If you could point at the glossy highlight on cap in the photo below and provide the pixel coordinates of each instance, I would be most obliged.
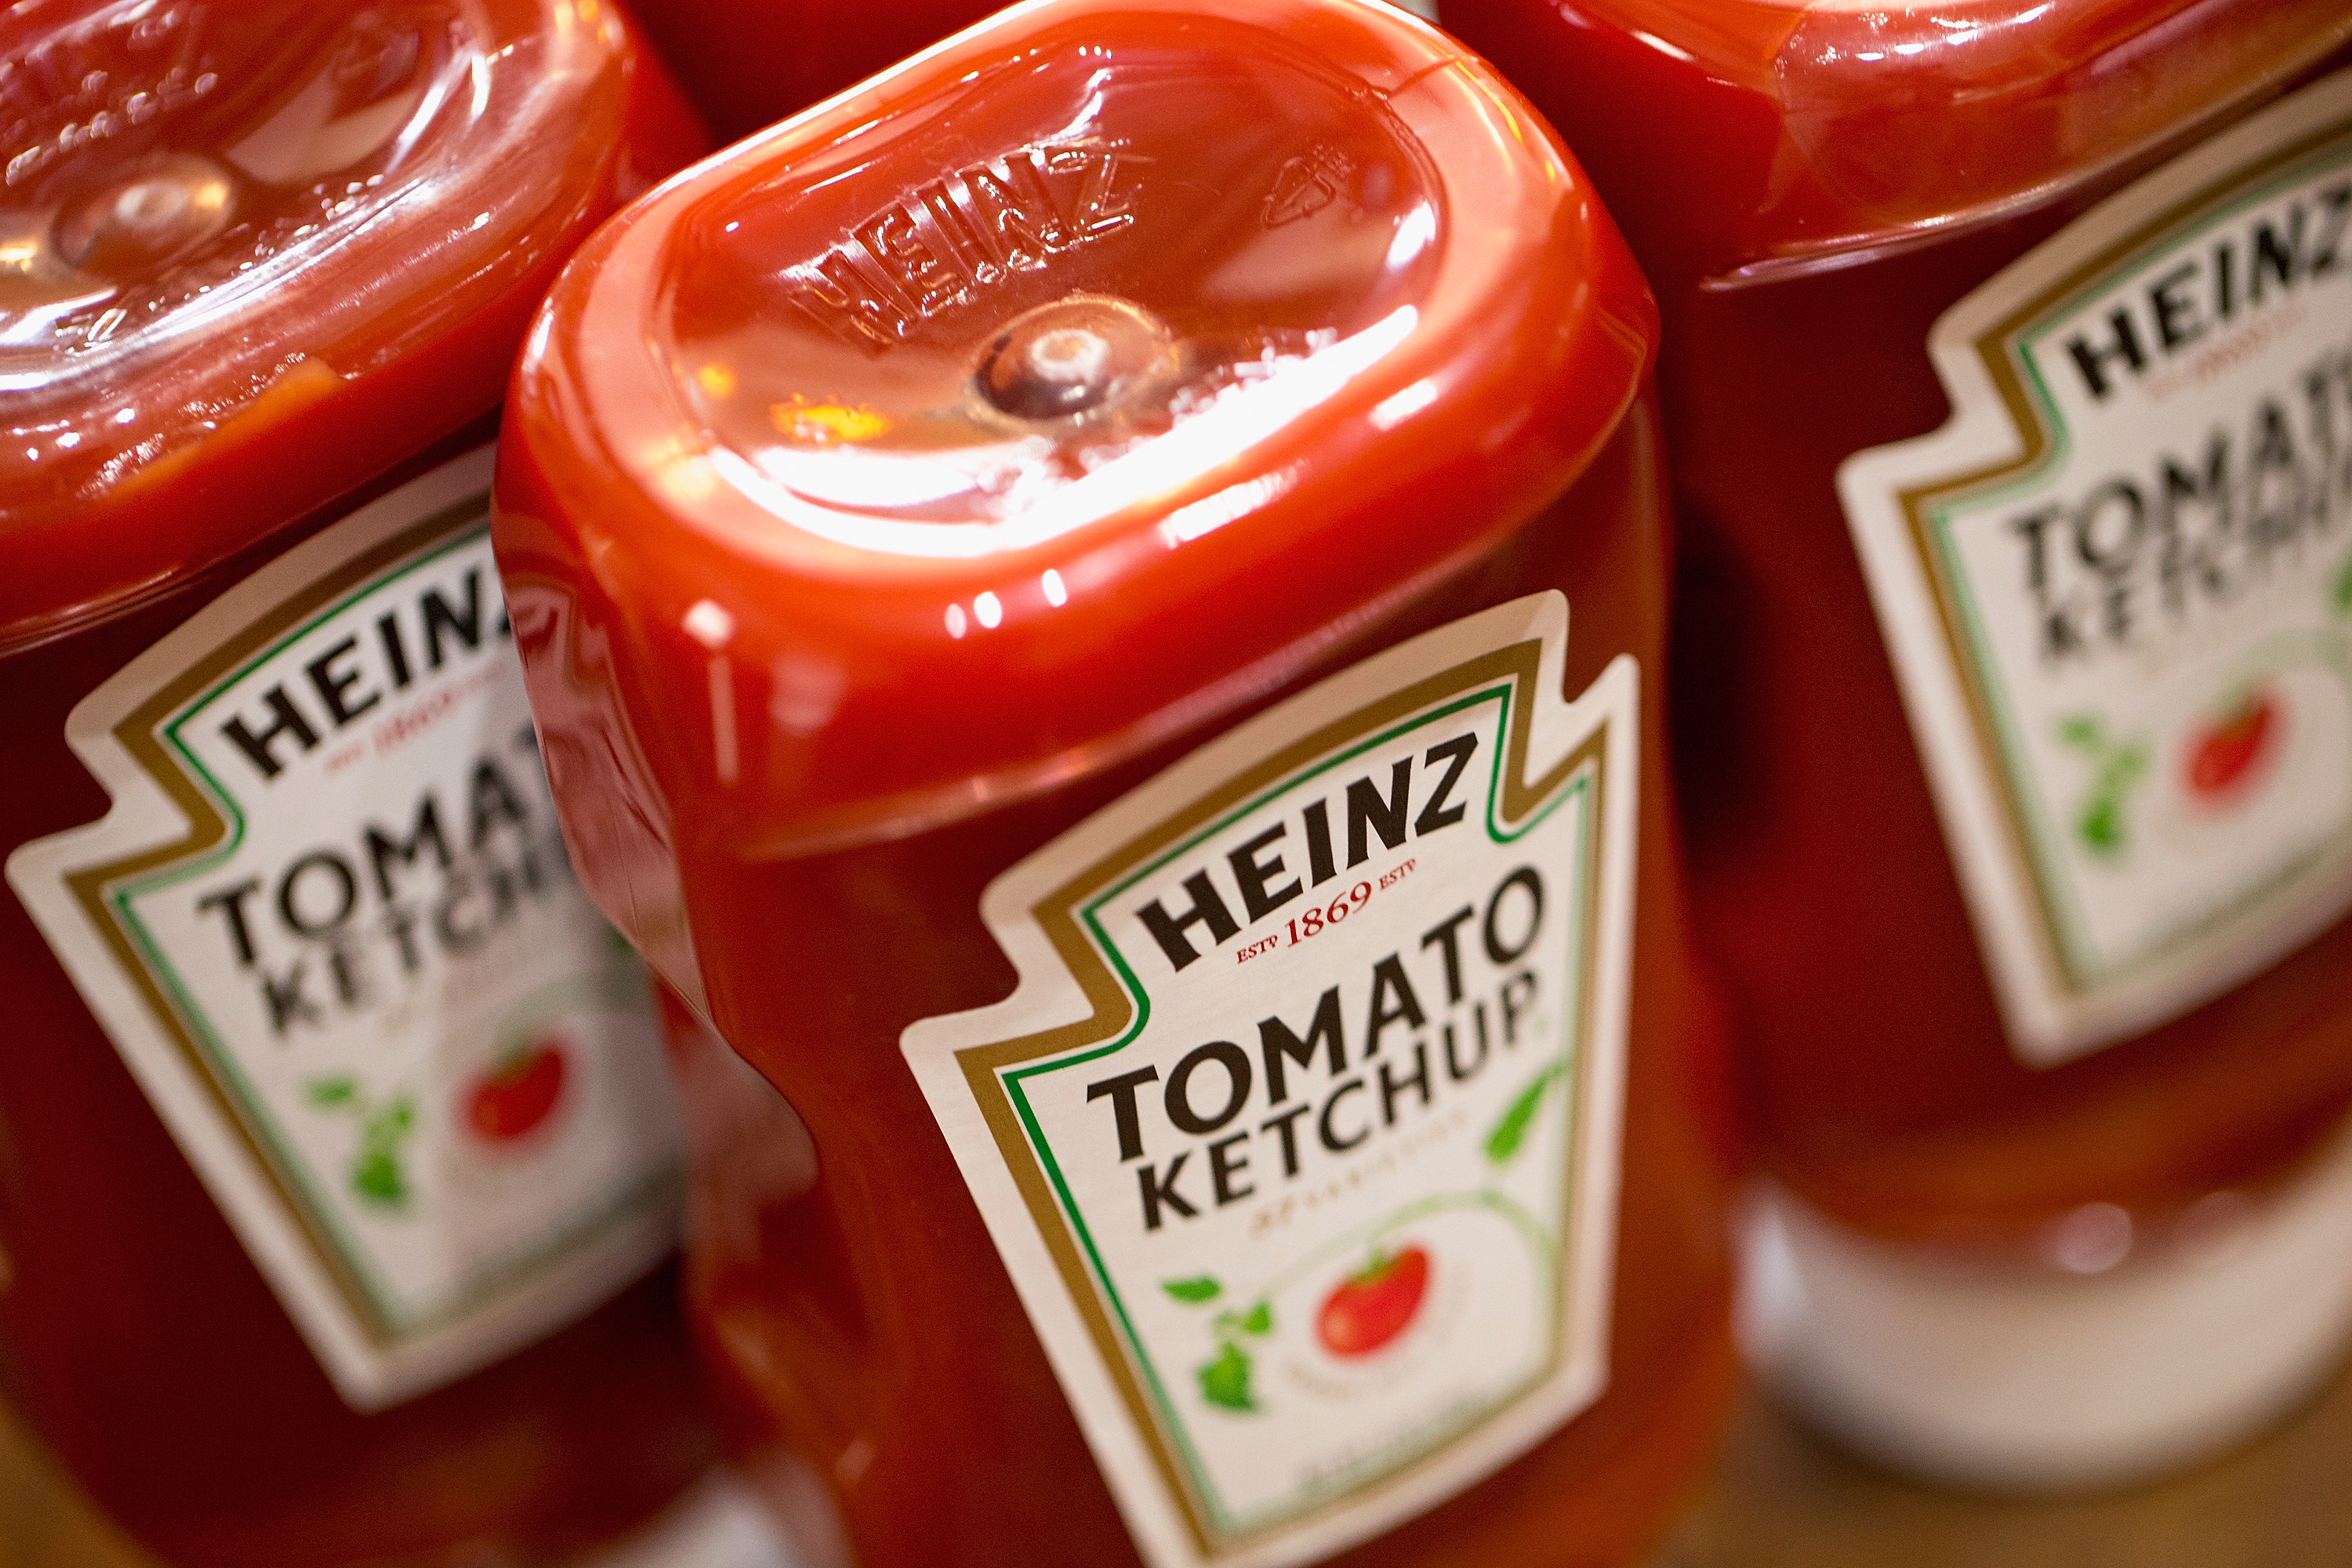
(1094, 296)
(1803, 131)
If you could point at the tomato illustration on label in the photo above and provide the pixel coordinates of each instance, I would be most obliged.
(1371, 1308)
(517, 1096)
(2227, 754)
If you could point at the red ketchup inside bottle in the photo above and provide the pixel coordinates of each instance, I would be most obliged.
(2006, 392)
(1095, 608)
(750, 63)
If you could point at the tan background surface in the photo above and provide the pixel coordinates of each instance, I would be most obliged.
(1776, 1498)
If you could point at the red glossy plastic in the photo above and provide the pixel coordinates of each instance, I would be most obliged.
(820, 644)
(1811, 188)
(369, 205)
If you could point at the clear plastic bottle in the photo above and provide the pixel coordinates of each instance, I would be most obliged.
(337, 1168)
(1138, 430)
(2006, 394)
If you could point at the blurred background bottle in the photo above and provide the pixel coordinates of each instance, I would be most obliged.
(749, 63)
(337, 1165)
(2007, 391)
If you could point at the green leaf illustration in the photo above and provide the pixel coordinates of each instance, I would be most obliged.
(2343, 593)
(2101, 827)
(378, 1176)
(332, 1091)
(1511, 1131)
(1226, 1380)
(2101, 822)
(1258, 1320)
(391, 1122)
(2083, 733)
(378, 1179)
(1203, 1287)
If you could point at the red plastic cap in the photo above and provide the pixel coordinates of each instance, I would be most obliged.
(1106, 326)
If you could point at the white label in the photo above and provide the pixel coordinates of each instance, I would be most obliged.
(1299, 1136)
(2118, 585)
(329, 924)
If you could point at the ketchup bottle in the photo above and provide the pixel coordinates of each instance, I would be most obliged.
(750, 63)
(2007, 384)
(336, 1160)
(1095, 604)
